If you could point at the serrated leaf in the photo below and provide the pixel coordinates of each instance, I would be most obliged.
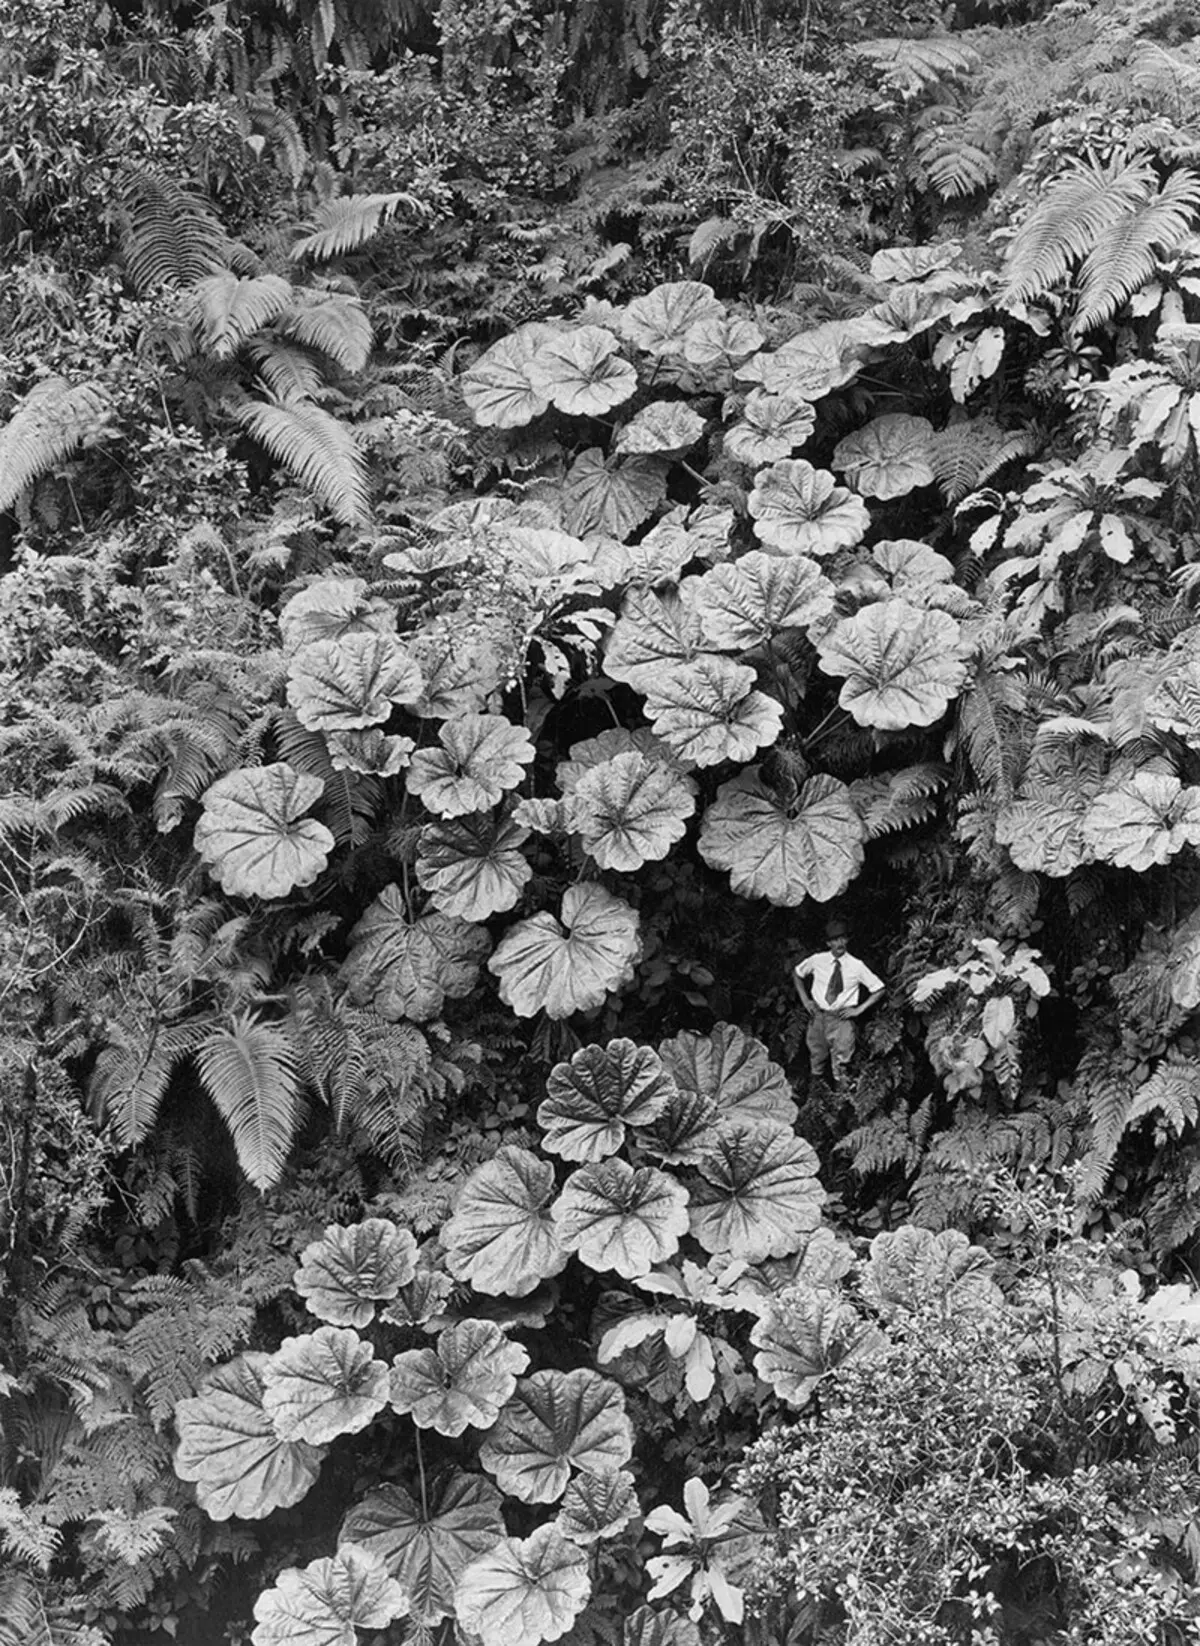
(473, 868)
(253, 835)
(408, 968)
(915, 1269)
(426, 1551)
(499, 388)
(912, 568)
(344, 1274)
(806, 1334)
(543, 965)
(1143, 821)
(660, 321)
(229, 1448)
(327, 1602)
(821, 1261)
(324, 1384)
(708, 711)
(666, 427)
(597, 1506)
(655, 629)
(800, 510)
(731, 1070)
(581, 372)
(352, 682)
(595, 751)
(888, 458)
(554, 1423)
(593, 1098)
(812, 849)
(616, 1217)
(809, 365)
(771, 426)
(684, 1129)
(524, 1591)
(719, 342)
(630, 810)
(758, 1194)
(902, 666)
(748, 602)
(333, 608)
(481, 757)
(371, 753)
(609, 497)
(463, 1382)
(501, 1236)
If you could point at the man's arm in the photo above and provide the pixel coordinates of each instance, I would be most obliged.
(798, 979)
(874, 987)
(863, 1005)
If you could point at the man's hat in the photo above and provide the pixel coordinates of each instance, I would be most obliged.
(836, 928)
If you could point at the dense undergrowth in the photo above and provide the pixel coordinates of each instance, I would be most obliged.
(512, 514)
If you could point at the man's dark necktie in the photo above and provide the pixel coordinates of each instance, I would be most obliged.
(834, 987)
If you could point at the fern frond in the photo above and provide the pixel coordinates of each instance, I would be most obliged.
(46, 427)
(333, 322)
(964, 456)
(64, 806)
(916, 66)
(343, 226)
(289, 371)
(953, 167)
(22, 1614)
(1172, 1095)
(132, 1074)
(132, 1538)
(249, 1071)
(991, 725)
(317, 450)
(169, 236)
(1126, 258)
(1109, 1100)
(225, 310)
(899, 800)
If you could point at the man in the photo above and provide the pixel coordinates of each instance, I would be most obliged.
(832, 1001)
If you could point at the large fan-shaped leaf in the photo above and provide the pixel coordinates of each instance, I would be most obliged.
(799, 510)
(916, 1269)
(772, 426)
(249, 1070)
(333, 608)
(499, 388)
(809, 365)
(608, 497)
(336, 323)
(732, 1071)
(684, 1129)
(317, 450)
(619, 1218)
(344, 1274)
(749, 601)
(352, 682)
(524, 1591)
(327, 1602)
(902, 665)
(581, 372)
(889, 457)
(473, 868)
(226, 309)
(47, 425)
(322, 1385)
(253, 835)
(556, 1422)
(592, 1099)
(758, 1195)
(806, 1334)
(597, 1506)
(229, 1447)
(501, 1237)
(630, 810)
(427, 1550)
(370, 752)
(482, 756)
(408, 968)
(821, 1261)
(664, 426)
(595, 751)
(913, 569)
(654, 630)
(1143, 821)
(660, 321)
(707, 711)
(718, 342)
(570, 967)
(462, 667)
(463, 1382)
(813, 849)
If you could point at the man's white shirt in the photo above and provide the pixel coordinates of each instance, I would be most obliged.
(819, 967)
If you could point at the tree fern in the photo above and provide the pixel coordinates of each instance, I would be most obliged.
(333, 322)
(317, 450)
(52, 420)
(1171, 1095)
(1126, 257)
(1109, 1098)
(225, 309)
(343, 226)
(914, 67)
(22, 1614)
(249, 1071)
(966, 455)
(289, 371)
(169, 236)
(132, 1073)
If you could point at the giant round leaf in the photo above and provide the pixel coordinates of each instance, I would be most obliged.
(902, 666)
(616, 1217)
(708, 711)
(684, 1129)
(608, 497)
(581, 372)
(1045, 827)
(482, 756)
(592, 1099)
(749, 601)
(813, 849)
(821, 1261)
(473, 868)
(346, 684)
(799, 510)
(719, 342)
(660, 321)
(889, 457)
(811, 364)
(1143, 821)
(331, 609)
(407, 968)
(654, 630)
(426, 1550)
(804, 1335)
(344, 1274)
(915, 1269)
(325, 1384)
(771, 427)
(556, 1422)
(913, 568)
(561, 969)
(253, 835)
(731, 1070)
(524, 1591)
(499, 388)
(631, 810)
(229, 1448)
(463, 1382)
(370, 752)
(597, 1506)
(667, 426)
(462, 665)
(327, 1602)
(501, 1237)
(758, 1195)
(594, 751)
